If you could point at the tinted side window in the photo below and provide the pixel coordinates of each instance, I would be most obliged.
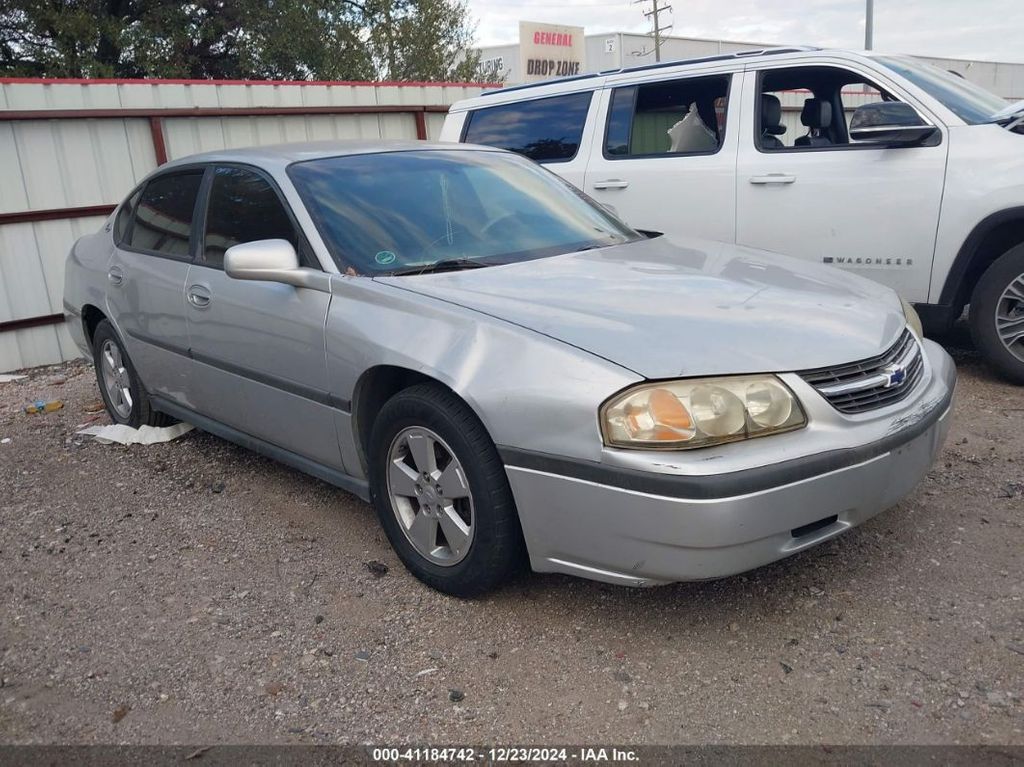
(163, 218)
(124, 215)
(243, 208)
(546, 130)
(674, 117)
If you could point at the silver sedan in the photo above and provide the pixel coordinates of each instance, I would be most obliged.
(505, 370)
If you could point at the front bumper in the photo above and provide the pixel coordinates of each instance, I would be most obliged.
(642, 529)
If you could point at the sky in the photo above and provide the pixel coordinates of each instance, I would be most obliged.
(991, 30)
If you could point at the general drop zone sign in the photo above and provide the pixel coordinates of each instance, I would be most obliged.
(549, 50)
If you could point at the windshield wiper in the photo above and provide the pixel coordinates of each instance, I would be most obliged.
(444, 265)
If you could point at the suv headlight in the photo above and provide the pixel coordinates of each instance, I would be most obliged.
(913, 319)
(680, 415)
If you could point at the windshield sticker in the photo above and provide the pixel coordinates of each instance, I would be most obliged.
(385, 257)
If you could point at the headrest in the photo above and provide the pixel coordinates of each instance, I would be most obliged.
(771, 115)
(817, 113)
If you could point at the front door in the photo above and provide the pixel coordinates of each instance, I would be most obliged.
(804, 189)
(258, 347)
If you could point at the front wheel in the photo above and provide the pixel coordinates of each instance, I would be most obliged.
(997, 314)
(440, 491)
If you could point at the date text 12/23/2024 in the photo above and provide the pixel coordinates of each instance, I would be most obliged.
(502, 754)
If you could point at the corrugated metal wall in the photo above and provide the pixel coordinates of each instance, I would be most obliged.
(69, 150)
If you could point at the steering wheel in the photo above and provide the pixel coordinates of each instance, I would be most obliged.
(486, 230)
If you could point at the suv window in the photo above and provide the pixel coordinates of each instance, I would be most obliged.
(667, 118)
(806, 108)
(163, 217)
(545, 130)
(243, 207)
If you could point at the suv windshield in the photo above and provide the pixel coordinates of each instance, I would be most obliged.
(410, 211)
(971, 103)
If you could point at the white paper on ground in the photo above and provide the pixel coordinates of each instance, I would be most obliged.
(8, 377)
(144, 435)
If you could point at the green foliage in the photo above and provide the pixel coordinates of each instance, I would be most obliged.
(238, 39)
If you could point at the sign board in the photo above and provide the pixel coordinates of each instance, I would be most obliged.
(549, 50)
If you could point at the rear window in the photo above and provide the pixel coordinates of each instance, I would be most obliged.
(163, 217)
(545, 130)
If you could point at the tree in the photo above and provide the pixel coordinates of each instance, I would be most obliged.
(238, 39)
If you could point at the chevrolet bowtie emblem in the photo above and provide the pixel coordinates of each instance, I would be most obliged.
(895, 375)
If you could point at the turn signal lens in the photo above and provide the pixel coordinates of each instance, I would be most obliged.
(697, 413)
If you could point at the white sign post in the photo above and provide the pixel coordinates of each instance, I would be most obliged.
(549, 50)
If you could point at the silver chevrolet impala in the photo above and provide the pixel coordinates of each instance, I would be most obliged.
(504, 369)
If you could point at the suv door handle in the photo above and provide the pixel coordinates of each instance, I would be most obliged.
(773, 178)
(198, 296)
(611, 183)
(115, 275)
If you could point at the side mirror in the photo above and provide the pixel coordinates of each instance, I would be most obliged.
(272, 261)
(889, 122)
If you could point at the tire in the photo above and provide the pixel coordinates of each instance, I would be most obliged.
(428, 420)
(1000, 293)
(111, 377)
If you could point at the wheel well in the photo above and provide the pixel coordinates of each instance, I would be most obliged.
(989, 240)
(91, 317)
(375, 387)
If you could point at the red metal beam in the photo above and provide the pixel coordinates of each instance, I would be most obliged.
(54, 214)
(421, 125)
(157, 81)
(31, 322)
(8, 115)
(156, 128)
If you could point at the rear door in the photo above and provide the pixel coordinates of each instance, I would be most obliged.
(816, 195)
(258, 347)
(664, 155)
(146, 279)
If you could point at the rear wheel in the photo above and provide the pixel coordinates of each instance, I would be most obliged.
(440, 491)
(997, 314)
(120, 385)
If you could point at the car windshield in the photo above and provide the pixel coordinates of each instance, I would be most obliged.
(971, 103)
(413, 211)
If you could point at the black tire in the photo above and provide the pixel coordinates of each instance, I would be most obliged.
(985, 302)
(496, 551)
(142, 412)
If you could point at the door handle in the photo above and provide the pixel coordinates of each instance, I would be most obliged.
(611, 183)
(198, 296)
(773, 178)
(115, 275)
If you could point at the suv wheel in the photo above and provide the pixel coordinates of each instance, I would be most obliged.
(997, 314)
(120, 386)
(440, 491)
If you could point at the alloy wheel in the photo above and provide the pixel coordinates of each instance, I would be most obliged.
(430, 496)
(116, 379)
(1010, 317)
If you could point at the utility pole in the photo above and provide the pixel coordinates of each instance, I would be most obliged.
(869, 25)
(655, 16)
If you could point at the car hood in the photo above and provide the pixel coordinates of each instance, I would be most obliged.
(668, 307)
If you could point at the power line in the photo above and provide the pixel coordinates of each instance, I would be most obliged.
(655, 16)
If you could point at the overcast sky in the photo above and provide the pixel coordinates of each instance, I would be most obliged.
(975, 29)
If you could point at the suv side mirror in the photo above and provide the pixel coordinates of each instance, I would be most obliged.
(272, 261)
(889, 122)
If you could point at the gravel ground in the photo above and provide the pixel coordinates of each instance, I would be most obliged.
(195, 592)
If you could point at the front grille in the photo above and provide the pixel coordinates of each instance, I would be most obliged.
(871, 383)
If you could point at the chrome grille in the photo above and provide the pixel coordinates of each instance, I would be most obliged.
(871, 383)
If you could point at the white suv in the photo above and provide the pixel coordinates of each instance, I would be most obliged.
(896, 170)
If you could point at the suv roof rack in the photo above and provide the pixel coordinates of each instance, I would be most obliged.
(660, 65)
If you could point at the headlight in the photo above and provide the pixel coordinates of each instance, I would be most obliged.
(679, 415)
(682, 415)
(913, 320)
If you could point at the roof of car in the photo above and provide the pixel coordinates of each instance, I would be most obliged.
(285, 154)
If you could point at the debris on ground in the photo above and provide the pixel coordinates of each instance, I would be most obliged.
(43, 406)
(9, 377)
(145, 435)
(379, 569)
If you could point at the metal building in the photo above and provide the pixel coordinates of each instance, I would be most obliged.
(70, 150)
